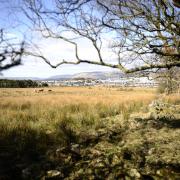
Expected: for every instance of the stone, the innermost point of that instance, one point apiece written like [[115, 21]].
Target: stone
[[134, 173], [159, 172], [151, 151], [53, 173], [75, 148], [115, 160]]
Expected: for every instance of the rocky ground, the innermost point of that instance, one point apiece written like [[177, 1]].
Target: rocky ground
[[146, 146]]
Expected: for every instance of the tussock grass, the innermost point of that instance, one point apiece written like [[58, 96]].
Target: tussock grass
[[173, 98], [22, 110], [31, 124]]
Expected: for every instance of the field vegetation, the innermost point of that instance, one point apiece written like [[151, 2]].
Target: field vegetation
[[85, 133]]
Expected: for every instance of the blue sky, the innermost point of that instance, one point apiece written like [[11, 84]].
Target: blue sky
[[15, 23], [12, 21]]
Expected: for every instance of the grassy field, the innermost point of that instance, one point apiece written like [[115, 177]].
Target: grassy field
[[34, 125], [24, 107]]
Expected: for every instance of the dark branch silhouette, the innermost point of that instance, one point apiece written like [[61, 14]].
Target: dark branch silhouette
[[144, 30], [10, 52]]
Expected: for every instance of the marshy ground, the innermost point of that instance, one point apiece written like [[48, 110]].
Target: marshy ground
[[89, 133]]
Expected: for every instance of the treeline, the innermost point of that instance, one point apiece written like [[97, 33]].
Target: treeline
[[6, 83]]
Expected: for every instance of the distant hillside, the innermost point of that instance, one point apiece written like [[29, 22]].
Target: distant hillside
[[113, 75], [60, 77], [99, 75], [90, 75]]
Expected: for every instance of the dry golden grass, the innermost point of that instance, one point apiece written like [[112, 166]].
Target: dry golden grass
[[78, 107], [173, 98], [33, 123], [70, 95], [81, 106]]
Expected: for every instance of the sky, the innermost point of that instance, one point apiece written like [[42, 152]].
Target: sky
[[55, 51], [15, 24]]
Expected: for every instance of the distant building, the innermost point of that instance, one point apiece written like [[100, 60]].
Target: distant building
[[123, 82]]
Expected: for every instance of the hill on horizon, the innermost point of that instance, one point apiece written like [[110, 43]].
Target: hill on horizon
[[85, 75]]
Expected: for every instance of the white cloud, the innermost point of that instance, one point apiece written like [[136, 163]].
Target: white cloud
[[56, 50]]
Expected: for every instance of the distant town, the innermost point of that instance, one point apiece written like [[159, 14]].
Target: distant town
[[109, 79], [122, 82]]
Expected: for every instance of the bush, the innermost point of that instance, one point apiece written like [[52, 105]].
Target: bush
[[167, 87]]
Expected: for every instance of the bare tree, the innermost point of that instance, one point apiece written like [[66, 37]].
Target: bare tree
[[168, 80], [10, 52], [141, 31]]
